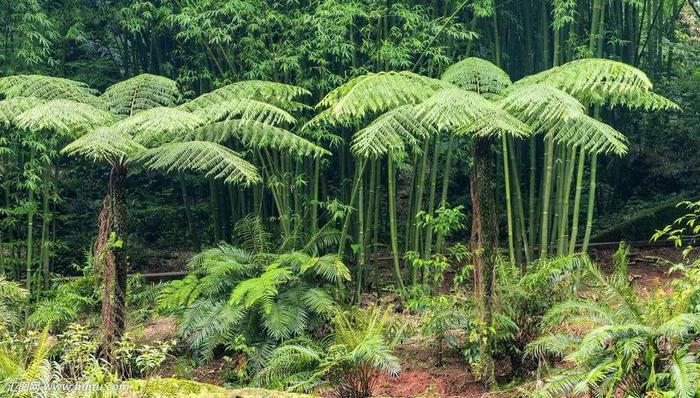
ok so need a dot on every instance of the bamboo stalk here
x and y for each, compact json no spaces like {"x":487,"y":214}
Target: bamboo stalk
{"x":392,"y":220}
{"x":509,"y":214}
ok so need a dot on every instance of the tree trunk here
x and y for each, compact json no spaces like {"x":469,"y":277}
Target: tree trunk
{"x":109,"y":253}
{"x":484,"y":243}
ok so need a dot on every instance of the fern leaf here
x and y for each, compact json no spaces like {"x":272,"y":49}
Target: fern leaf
{"x":160,"y":125}
{"x":13,"y":107}
{"x":258,"y":135}
{"x":376,"y":93}
{"x":213,"y":160}
{"x":477,"y":75}
{"x":397,"y":130}
{"x":140,"y":93}
{"x":278,"y":94}
{"x":65,"y":117}
{"x":244,"y":108}
{"x":49,"y":88}
{"x":104,"y":145}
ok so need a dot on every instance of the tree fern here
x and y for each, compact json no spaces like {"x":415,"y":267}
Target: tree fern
{"x":261,"y":289}
{"x":395,"y":131}
{"x":49,"y":88}
{"x":477,"y":75}
{"x":210,"y":159}
{"x":541,"y":106}
{"x":251,"y":234}
{"x":160,"y":125}
{"x":278,"y":94}
{"x":258,"y":135}
{"x":65,"y":117}
{"x":105,"y":145}
{"x":375,"y":93}
{"x":11,"y":295}
{"x":140,"y":93}
{"x":243,"y":108}
{"x":13,"y":107}
{"x":603,"y":82}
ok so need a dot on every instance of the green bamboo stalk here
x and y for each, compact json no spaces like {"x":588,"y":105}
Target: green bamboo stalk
{"x":44,"y":253}
{"x":509,"y":214}
{"x":532,"y":194}
{"x":519,"y":202}
{"x":361,"y":238}
{"x":357,"y":181}
{"x":420,"y":187}
{"x":392,"y":220}
{"x":445,"y":187}
{"x":564,"y":219}
{"x":431,"y":200}
{"x":30,"y":234}
{"x":591,"y":203}
{"x":314,"y":193}
{"x":546,"y":192}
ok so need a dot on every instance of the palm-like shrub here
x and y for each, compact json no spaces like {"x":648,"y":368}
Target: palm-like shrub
{"x":617,"y":342}
{"x":347,"y":361}
{"x":264,"y":297}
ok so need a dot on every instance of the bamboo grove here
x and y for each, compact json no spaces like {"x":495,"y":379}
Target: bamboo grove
{"x":338,"y":130}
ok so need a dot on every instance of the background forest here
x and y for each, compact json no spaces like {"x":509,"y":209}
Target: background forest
{"x":323,"y":196}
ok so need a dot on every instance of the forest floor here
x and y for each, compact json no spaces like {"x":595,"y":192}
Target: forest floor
{"x":420,"y":375}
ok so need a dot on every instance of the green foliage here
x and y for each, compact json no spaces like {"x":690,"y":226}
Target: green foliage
{"x":212,"y":160}
{"x":477,"y":75}
{"x":264,"y":297}
{"x":617,"y":340}
{"x":140,"y":93}
{"x":11,"y":296}
{"x":345,"y":361}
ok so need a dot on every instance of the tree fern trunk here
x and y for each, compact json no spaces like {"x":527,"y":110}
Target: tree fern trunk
{"x":109,"y":251}
{"x":484,"y":244}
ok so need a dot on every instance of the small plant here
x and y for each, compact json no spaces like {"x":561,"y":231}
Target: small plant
{"x":151,"y":357}
{"x":444,"y":319}
{"x":347,"y":362}
{"x":617,"y":341}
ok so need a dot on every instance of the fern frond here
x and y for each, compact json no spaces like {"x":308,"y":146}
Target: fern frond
{"x":179,"y":293}
{"x":251,"y":234}
{"x":376,"y":93}
{"x":680,"y":327}
{"x":140,"y":93}
{"x":278,"y":94}
{"x":541,"y":106}
{"x":104,"y":145}
{"x":279,"y":319}
{"x":65,"y":117}
{"x":12,"y":107}
{"x":213,"y":160}
{"x":684,"y":371}
{"x":244,"y":108}
{"x":159,"y":125}
{"x":477,"y":75}
{"x":589,"y":134}
{"x":397,"y":130}
{"x":318,"y":301}
{"x":49,"y":88}
{"x":40,"y":355}
{"x":558,"y":344}
{"x":601,"y":81}
{"x":206,"y":325}
{"x":329,"y":267}
{"x":259,"y":135}
{"x":261,"y":289}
